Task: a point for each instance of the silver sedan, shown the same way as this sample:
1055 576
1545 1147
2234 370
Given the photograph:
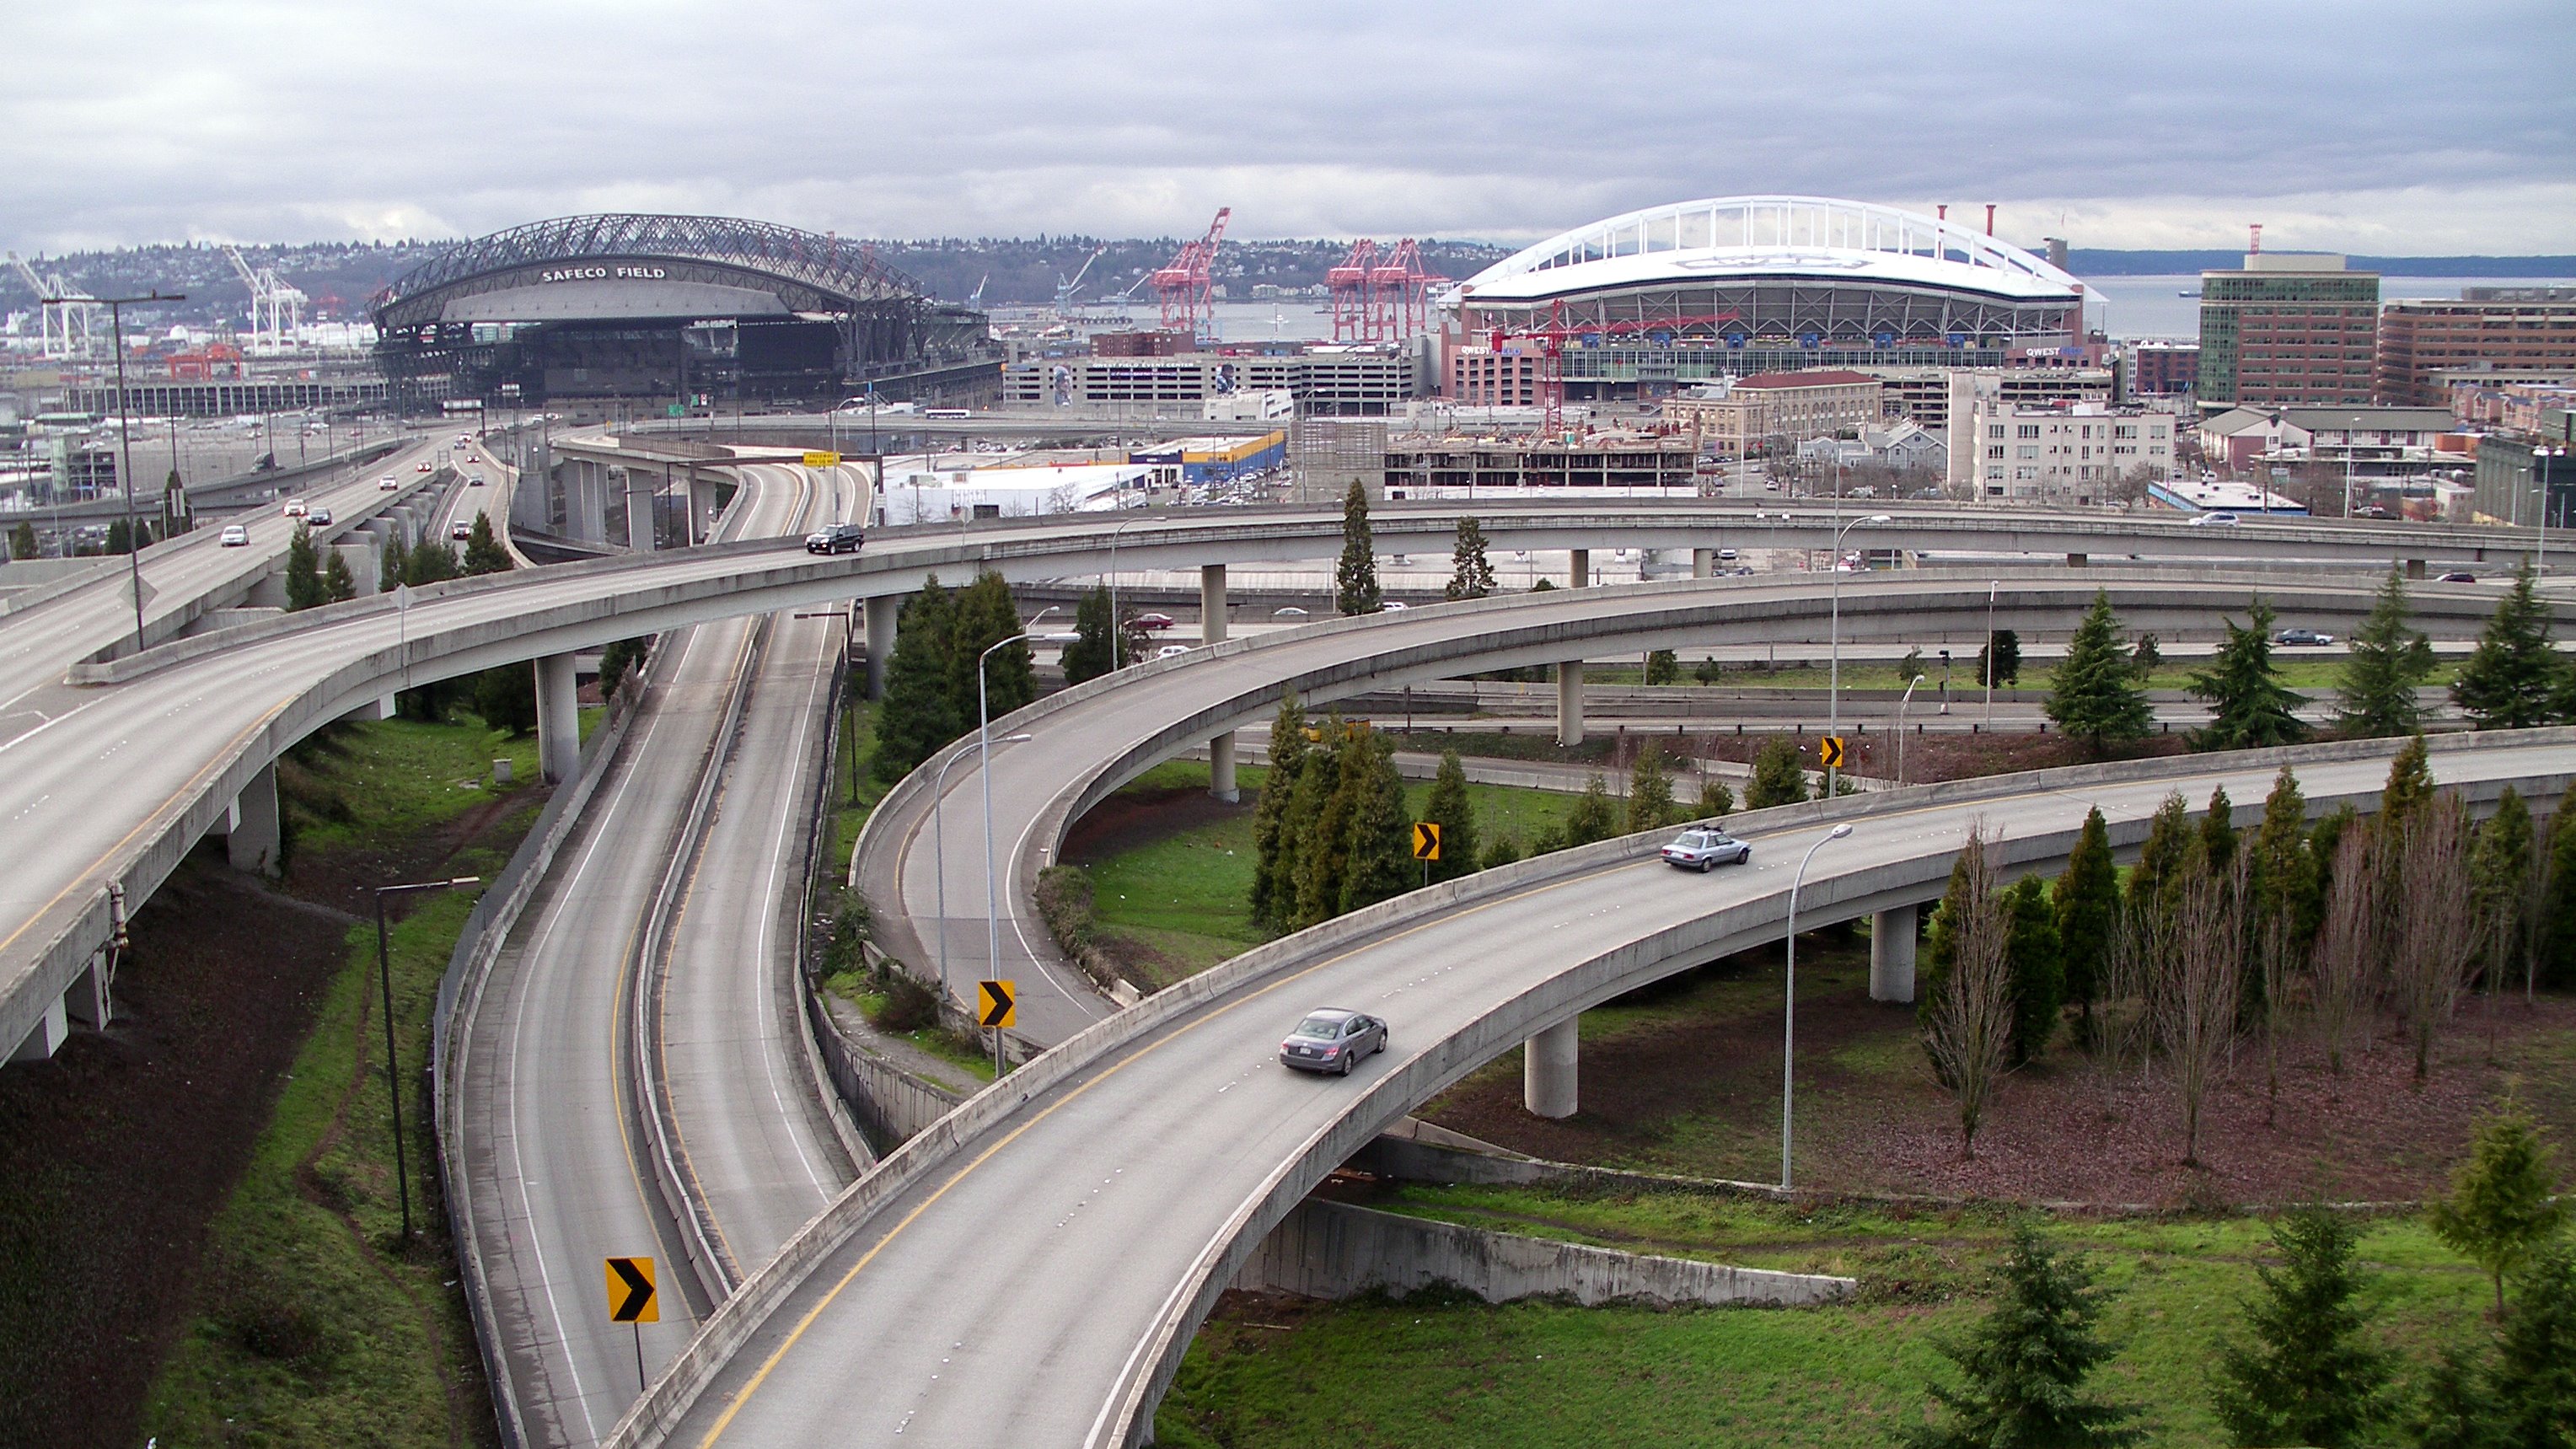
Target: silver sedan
1332 1040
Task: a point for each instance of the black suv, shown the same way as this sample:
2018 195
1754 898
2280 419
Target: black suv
838 538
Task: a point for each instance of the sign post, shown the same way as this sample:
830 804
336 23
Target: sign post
997 1005
631 1300
1829 752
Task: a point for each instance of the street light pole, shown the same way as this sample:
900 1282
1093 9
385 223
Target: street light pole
1117 629
984 767
1900 728
1789 1001
385 983
939 845
125 433
1834 657
1991 589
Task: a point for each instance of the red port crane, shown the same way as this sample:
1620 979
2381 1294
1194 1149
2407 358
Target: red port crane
1349 285
1553 337
1400 293
1183 284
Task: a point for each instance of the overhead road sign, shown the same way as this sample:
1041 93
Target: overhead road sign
630 1291
997 1003
822 460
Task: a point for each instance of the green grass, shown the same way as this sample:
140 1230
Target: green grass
1183 897
316 1323
859 724
945 1045
2317 674
1436 1371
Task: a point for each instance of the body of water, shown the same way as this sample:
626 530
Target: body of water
2155 306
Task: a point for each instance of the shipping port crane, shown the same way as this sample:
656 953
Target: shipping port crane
1065 289
1552 337
64 313
276 308
1184 283
1380 295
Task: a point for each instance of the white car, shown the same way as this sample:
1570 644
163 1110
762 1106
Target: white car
1170 651
236 536
2215 520
388 483
295 508
1705 847
1392 606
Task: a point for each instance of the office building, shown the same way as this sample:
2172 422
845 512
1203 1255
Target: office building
2424 345
1776 411
2288 329
2080 453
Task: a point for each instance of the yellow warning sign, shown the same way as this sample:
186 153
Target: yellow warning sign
630 1291
1829 749
997 1003
822 460
1426 840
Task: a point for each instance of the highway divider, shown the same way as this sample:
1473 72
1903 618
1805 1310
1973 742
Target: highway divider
1393 1095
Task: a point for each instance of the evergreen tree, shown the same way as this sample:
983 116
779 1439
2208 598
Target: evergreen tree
22 540
2501 1211
1593 817
1650 792
430 562
1909 668
2311 1376
2513 674
1324 861
120 537
1716 798
2095 695
2388 660
2250 709
2534 1387
505 695
483 551
1471 576
303 571
1380 849
918 715
1505 849
2459 1409
2026 1363
1449 807
2410 785
2146 656
2284 872
2038 967
1088 656
338 584
2087 901
2555 942
2324 838
393 566
2218 832
1662 667
1999 663
1274 845
620 656
2157 877
983 614
1355 577
1777 778
2499 872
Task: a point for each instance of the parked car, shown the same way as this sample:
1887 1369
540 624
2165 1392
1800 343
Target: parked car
2216 520
2457 576
2302 636
1332 1040
318 517
1154 622
1392 606
1705 848
1726 554
837 538
236 536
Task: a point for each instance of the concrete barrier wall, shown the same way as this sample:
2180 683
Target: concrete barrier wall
1335 1250
893 1105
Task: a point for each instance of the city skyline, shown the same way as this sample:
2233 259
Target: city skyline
2397 132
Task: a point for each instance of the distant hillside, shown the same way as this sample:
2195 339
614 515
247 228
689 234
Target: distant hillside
2098 262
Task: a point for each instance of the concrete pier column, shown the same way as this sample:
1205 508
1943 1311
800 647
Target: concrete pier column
1703 562
364 557
639 512
1579 573
1211 603
1221 768
1891 954
85 1000
702 503
881 612
558 719
1548 1070
2415 568
47 1036
2075 560
1569 702
251 844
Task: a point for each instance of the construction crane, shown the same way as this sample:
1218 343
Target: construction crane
1065 290
65 313
276 308
1551 340
1183 284
976 300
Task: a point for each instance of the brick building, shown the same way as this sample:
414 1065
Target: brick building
2288 329
2510 329
1780 409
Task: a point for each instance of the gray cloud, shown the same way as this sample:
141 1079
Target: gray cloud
2373 126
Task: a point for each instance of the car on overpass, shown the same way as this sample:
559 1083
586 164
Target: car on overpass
235 536
837 538
2302 636
388 483
1331 1039
1704 848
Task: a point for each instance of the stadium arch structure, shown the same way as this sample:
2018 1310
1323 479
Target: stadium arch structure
1736 285
694 311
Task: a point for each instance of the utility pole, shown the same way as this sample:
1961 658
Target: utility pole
124 433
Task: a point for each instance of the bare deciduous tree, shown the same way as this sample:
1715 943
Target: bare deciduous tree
2197 1014
2141 941
1969 1034
2347 943
2272 957
2437 930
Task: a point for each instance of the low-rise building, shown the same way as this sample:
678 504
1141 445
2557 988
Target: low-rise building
2164 369
2513 329
1345 381
1778 410
1459 467
2080 453
2376 442
1970 390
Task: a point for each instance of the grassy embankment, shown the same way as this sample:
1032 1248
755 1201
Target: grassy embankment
317 1324
1435 1370
2313 674
1182 895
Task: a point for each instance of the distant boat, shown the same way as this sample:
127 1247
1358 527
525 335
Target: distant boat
2187 294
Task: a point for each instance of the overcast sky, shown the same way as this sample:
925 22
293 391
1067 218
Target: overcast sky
2399 128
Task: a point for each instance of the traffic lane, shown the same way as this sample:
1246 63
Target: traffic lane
1040 1263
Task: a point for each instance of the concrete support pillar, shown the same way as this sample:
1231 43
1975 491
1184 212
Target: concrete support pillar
1548 1070
1221 768
558 719
380 707
1703 562
252 841
1569 702
85 1001
702 503
363 558
2414 568
2075 560
1580 572
1891 954
47 1036
881 612
1211 603
639 512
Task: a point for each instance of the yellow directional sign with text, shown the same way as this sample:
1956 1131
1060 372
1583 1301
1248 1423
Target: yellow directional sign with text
822 460
997 1003
1829 750
1426 840
630 1291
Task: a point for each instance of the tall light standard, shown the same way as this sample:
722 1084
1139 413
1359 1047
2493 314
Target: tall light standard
939 843
125 443
1117 627
1991 589
1900 727
1789 1001
2540 525
984 743
1834 663
385 982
